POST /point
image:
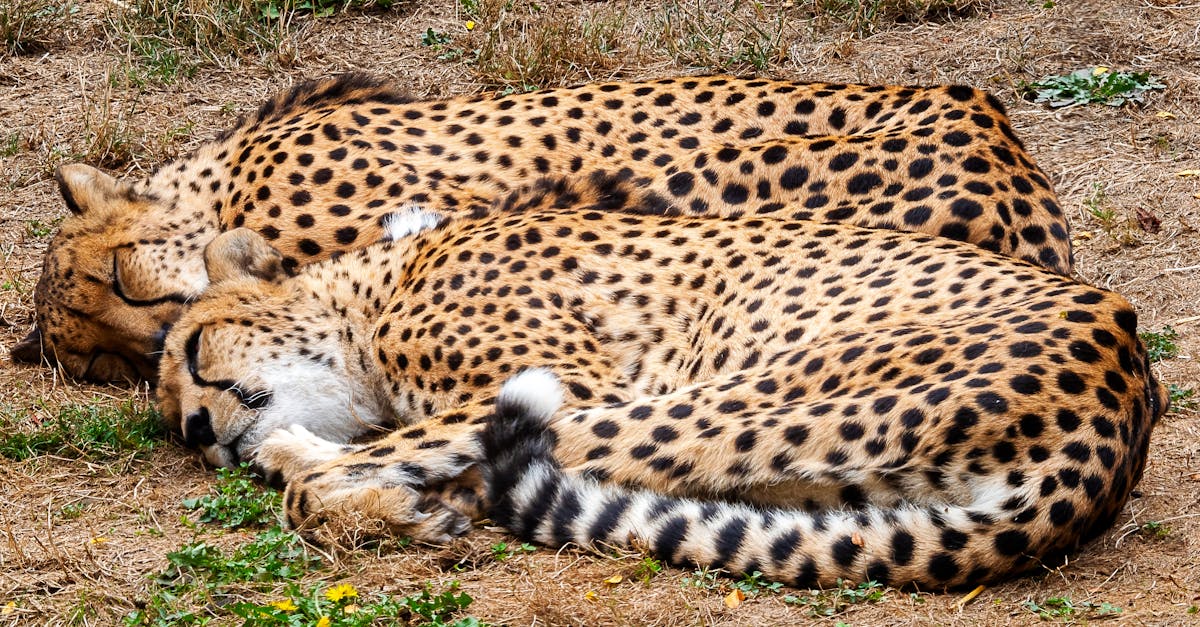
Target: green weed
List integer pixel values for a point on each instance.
(12, 145)
(88, 432)
(832, 602)
(503, 550)
(1094, 85)
(70, 511)
(237, 500)
(38, 228)
(1182, 399)
(1160, 345)
(1096, 204)
(275, 9)
(647, 569)
(433, 38)
(1065, 609)
(1155, 530)
(32, 25)
(703, 578)
(753, 584)
(440, 42)
(273, 555)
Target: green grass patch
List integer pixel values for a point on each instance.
(736, 37)
(647, 569)
(754, 584)
(90, 432)
(1160, 345)
(203, 584)
(198, 572)
(168, 40)
(237, 500)
(1098, 85)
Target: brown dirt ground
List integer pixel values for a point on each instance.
(56, 574)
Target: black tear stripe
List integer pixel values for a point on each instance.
(191, 350)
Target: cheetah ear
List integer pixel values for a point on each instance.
(242, 254)
(88, 190)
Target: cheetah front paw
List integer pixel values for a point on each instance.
(352, 500)
(286, 453)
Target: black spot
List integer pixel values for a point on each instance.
(845, 551)
(1012, 543)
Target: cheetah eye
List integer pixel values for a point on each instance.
(254, 399)
(136, 301)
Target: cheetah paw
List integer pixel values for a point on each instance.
(286, 453)
(365, 505)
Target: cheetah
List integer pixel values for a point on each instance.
(814, 401)
(317, 168)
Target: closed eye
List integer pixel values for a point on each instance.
(134, 302)
(254, 399)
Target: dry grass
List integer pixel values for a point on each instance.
(28, 26)
(864, 16)
(55, 573)
(165, 40)
(522, 45)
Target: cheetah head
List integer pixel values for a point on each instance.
(258, 352)
(112, 281)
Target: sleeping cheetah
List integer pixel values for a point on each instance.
(316, 169)
(911, 409)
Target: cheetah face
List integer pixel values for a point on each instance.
(104, 303)
(255, 355)
(225, 383)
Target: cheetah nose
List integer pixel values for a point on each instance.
(198, 430)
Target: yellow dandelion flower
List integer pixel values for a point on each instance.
(341, 591)
(1099, 70)
(323, 622)
(285, 605)
(470, 24)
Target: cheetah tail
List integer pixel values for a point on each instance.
(923, 544)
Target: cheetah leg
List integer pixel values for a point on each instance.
(420, 481)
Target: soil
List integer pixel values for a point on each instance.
(1117, 170)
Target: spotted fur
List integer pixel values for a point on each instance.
(316, 168)
(908, 408)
